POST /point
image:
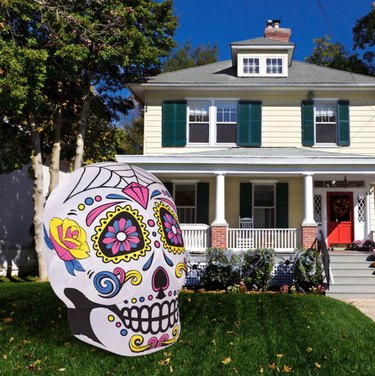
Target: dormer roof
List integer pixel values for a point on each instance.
(262, 44)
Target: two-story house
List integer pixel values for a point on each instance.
(288, 145)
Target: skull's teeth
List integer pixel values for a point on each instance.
(154, 319)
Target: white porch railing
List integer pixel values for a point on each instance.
(282, 239)
(196, 236)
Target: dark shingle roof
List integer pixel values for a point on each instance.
(224, 74)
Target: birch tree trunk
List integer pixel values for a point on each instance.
(80, 140)
(36, 161)
(54, 168)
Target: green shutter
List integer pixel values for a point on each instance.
(202, 202)
(282, 207)
(307, 110)
(174, 124)
(246, 200)
(249, 123)
(343, 132)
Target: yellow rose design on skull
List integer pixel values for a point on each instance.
(68, 239)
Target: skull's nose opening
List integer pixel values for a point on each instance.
(160, 282)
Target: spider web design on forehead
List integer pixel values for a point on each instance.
(110, 176)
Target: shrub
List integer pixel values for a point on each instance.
(222, 271)
(307, 269)
(363, 245)
(257, 268)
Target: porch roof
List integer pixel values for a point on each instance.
(278, 161)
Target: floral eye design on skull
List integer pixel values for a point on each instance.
(121, 236)
(169, 228)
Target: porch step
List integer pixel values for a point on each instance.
(352, 275)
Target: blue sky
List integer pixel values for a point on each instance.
(226, 21)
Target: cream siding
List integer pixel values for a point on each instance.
(281, 120)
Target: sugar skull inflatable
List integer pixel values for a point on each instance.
(115, 257)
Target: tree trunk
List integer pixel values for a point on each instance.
(36, 160)
(54, 168)
(82, 125)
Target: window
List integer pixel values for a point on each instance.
(251, 65)
(274, 66)
(212, 122)
(226, 122)
(325, 123)
(264, 205)
(263, 66)
(199, 121)
(185, 200)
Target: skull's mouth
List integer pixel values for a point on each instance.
(153, 319)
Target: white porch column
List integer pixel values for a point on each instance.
(220, 200)
(308, 201)
(368, 214)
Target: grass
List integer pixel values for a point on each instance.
(222, 334)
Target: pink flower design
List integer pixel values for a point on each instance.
(122, 236)
(173, 230)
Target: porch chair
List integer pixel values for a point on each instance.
(244, 235)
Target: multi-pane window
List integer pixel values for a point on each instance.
(185, 200)
(199, 121)
(264, 205)
(325, 123)
(226, 122)
(251, 65)
(274, 65)
(212, 121)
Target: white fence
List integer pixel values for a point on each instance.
(196, 237)
(285, 239)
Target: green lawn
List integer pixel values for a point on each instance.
(222, 334)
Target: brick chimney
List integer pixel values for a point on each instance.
(274, 31)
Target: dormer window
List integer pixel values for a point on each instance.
(251, 65)
(263, 65)
(274, 66)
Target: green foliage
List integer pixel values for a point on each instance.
(334, 55)
(307, 267)
(364, 37)
(257, 267)
(188, 57)
(131, 137)
(15, 149)
(222, 270)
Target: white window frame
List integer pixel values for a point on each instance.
(212, 138)
(262, 65)
(332, 101)
(277, 65)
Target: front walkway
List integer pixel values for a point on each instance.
(366, 306)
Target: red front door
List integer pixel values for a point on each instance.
(339, 218)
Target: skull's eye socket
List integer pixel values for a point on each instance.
(169, 228)
(122, 235)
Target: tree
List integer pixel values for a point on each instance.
(57, 56)
(364, 38)
(188, 57)
(108, 44)
(334, 55)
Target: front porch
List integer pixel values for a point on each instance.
(198, 237)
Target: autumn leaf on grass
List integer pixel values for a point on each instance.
(309, 349)
(164, 362)
(317, 365)
(213, 342)
(227, 360)
(280, 355)
(287, 369)
(8, 319)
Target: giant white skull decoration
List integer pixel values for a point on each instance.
(115, 257)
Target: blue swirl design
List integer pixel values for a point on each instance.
(107, 284)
